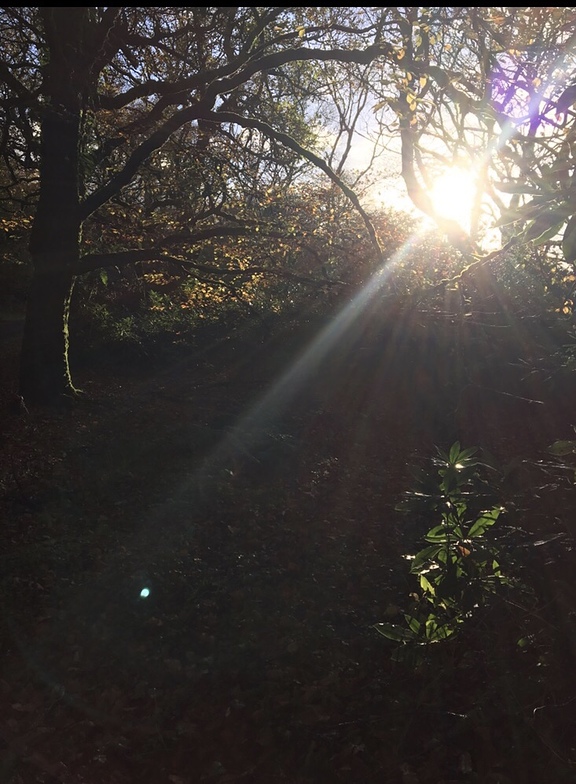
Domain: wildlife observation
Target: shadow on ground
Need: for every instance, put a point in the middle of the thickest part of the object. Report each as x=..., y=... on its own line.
x=192, y=564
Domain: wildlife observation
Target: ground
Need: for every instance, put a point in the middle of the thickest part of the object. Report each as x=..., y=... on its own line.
x=194, y=557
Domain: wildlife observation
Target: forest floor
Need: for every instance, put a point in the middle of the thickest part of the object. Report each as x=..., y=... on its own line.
x=250, y=488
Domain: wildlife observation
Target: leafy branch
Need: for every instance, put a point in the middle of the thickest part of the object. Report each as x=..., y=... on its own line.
x=458, y=571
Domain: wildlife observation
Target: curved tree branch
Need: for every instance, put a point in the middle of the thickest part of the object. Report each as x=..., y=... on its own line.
x=292, y=144
x=201, y=109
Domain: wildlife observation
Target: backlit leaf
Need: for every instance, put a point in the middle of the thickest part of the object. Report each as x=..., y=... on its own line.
x=569, y=240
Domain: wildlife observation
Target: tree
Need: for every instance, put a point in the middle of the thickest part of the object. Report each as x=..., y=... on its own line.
x=141, y=134
x=107, y=110
x=493, y=87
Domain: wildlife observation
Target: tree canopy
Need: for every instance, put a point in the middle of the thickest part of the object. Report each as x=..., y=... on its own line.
x=133, y=135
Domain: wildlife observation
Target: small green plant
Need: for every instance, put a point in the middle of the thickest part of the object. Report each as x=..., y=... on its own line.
x=458, y=571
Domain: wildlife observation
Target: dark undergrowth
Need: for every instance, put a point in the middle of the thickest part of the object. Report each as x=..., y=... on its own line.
x=195, y=555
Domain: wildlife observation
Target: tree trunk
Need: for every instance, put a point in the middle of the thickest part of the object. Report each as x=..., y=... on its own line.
x=44, y=369
x=54, y=246
x=56, y=233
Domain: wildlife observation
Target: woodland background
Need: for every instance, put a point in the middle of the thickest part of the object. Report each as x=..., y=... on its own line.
x=286, y=473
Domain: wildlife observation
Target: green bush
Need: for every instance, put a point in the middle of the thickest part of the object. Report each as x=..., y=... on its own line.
x=459, y=570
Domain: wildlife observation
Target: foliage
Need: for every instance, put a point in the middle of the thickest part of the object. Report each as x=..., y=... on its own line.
x=459, y=570
x=155, y=301
x=493, y=89
x=148, y=323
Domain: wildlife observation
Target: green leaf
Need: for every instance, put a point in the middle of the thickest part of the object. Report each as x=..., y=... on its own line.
x=442, y=455
x=454, y=452
x=466, y=453
x=440, y=533
x=442, y=555
x=424, y=556
x=394, y=632
x=569, y=241
x=413, y=623
x=561, y=448
x=486, y=520
x=104, y=277
x=427, y=586
x=442, y=632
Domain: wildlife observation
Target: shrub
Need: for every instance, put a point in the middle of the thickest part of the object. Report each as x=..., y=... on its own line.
x=459, y=570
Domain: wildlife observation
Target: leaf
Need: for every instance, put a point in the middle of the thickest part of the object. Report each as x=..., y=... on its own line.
x=566, y=100
x=550, y=234
x=569, y=241
x=561, y=448
x=466, y=453
x=439, y=533
x=486, y=520
x=454, y=452
x=413, y=623
x=425, y=555
x=515, y=187
x=394, y=632
x=442, y=632
x=426, y=585
x=541, y=225
x=511, y=216
x=104, y=277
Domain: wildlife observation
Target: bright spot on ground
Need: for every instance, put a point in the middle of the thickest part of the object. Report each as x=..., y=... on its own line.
x=453, y=195
x=144, y=593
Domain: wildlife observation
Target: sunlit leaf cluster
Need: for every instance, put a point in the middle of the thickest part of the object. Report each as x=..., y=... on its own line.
x=459, y=569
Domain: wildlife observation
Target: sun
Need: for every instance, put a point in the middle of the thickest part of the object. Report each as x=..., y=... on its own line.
x=453, y=195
